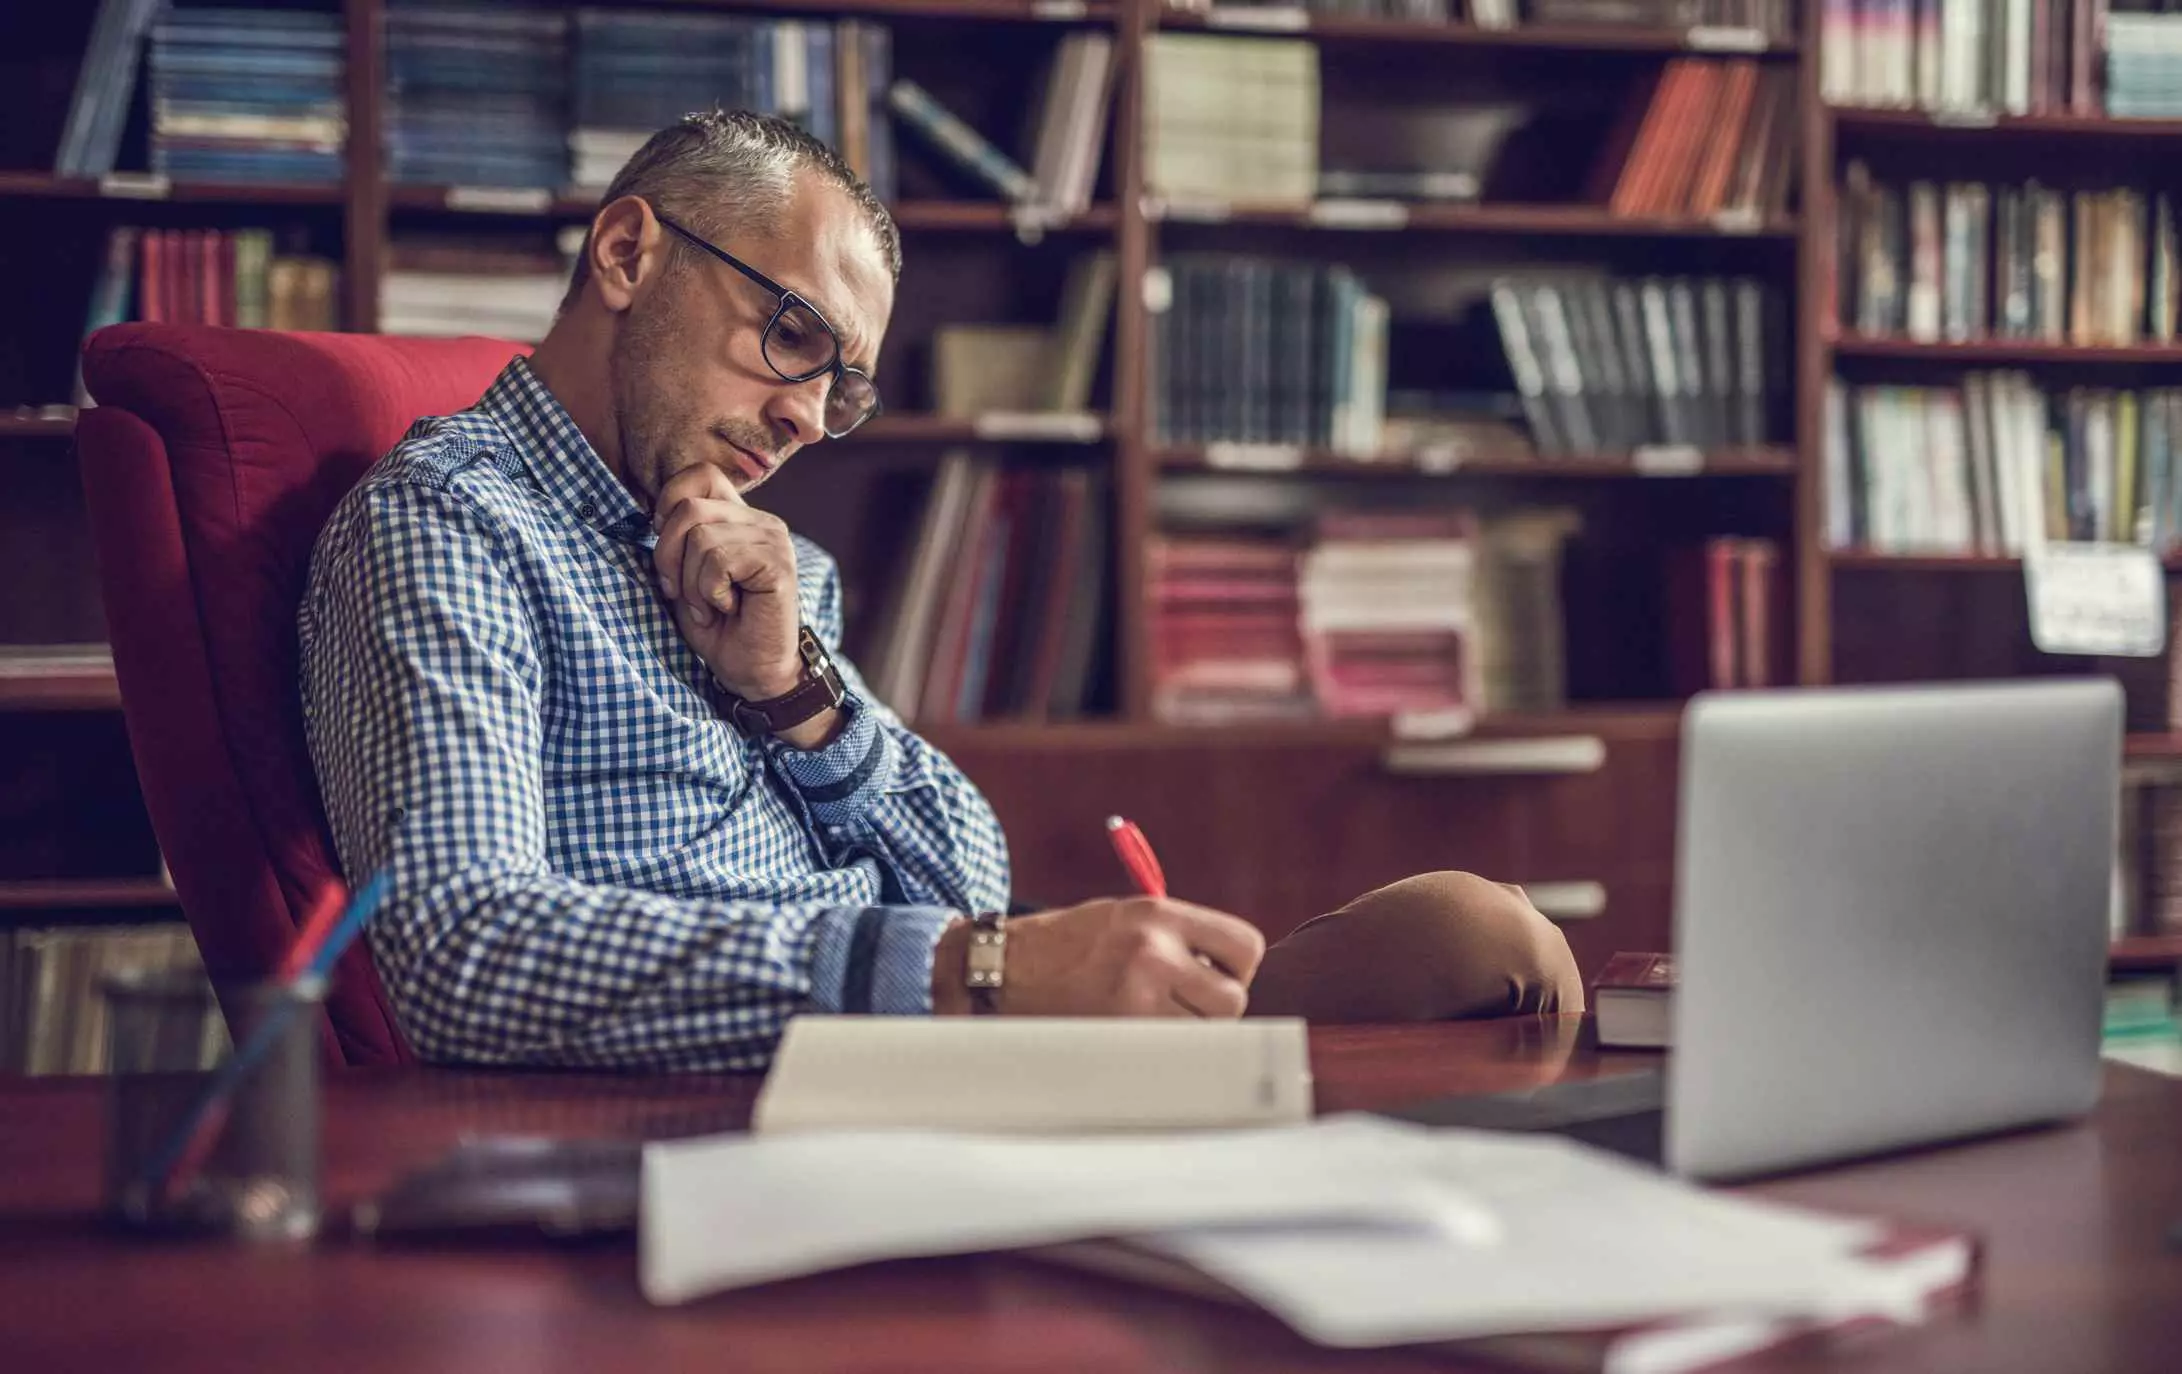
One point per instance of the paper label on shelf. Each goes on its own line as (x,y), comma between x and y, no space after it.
(2096,599)
(1725,38)
(1254,457)
(1057,9)
(1745,220)
(1294,20)
(1031,220)
(1158,290)
(1359,214)
(1188,211)
(499,199)
(135,185)
(1668,460)
(1966,118)
(1064,426)
(1448,722)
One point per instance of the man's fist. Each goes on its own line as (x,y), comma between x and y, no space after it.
(1135,956)
(729,572)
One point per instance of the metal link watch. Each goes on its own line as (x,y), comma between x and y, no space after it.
(820,690)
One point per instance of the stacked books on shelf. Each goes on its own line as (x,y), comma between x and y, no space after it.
(1726,604)
(1241,12)
(1063,138)
(448,285)
(2150,863)
(1374,613)
(998,612)
(1227,634)
(476,95)
(1995,464)
(52,1018)
(2143,65)
(1707,140)
(248,95)
(1230,121)
(982,369)
(1608,366)
(2026,57)
(638,71)
(1257,351)
(1961,260)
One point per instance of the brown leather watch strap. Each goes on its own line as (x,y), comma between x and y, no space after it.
(820,690)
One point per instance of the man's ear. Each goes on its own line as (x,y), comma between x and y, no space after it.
(627,248)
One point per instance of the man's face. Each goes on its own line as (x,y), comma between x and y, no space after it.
(689,377)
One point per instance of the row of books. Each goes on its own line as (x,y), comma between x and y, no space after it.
(446,285)
(1605,366)
(2150,866)
(1726,615)
(98,112)
(1706,139)
(53,1019)
(1997,464)
(537,97)
(980,369)
(1257,351)
(1376,613)
(248,95)
(1962,260)
(1232,121)
(231,277)
(2017,57)
(999,609)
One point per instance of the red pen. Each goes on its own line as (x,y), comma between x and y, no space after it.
(1135,853)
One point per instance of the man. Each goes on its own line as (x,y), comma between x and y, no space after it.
(578,699)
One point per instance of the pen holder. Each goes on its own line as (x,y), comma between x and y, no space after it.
(259,1178)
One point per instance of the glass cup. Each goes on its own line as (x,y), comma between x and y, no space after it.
(259,1178)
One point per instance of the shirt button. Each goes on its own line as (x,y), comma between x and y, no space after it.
(835,832)
(587,510)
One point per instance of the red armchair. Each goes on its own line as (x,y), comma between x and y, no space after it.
(210,463)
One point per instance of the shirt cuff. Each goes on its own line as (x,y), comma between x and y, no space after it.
(839,780)
(877,959)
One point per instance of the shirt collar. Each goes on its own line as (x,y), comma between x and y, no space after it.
(561,460)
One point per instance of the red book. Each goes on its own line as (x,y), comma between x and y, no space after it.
(1632,1000)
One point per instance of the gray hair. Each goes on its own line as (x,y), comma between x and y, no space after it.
(726,173)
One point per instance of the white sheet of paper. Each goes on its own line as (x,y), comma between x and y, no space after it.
(1035,1074)
(731,1211)
(1588,1241)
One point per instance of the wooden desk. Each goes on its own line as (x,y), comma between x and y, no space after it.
(2079,1277)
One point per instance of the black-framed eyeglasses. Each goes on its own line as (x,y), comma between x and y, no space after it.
(799,345)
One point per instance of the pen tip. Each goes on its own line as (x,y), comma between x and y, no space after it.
(1115,822)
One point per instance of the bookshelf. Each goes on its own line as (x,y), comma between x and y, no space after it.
(1843,614)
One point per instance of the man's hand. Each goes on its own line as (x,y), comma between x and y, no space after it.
(1136,956)
(730,574)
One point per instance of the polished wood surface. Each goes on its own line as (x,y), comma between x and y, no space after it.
(2078,1276)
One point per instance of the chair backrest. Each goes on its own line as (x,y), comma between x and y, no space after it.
(209,464)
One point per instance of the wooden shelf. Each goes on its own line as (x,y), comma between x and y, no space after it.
(1874,560)
(36,427)
(1617,721)
(991,429)
(1896,124)
(2145,952)
(1764,462)
(1556,38)
(84,894)
(1374,215)
(911,216)
(2148,745)
(65,690)
(2007,352)
(141,187)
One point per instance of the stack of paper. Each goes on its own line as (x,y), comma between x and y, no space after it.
(1356,1231)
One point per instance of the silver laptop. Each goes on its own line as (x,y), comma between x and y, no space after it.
(1890,927)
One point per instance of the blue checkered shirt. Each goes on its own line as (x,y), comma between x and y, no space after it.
(587,865)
